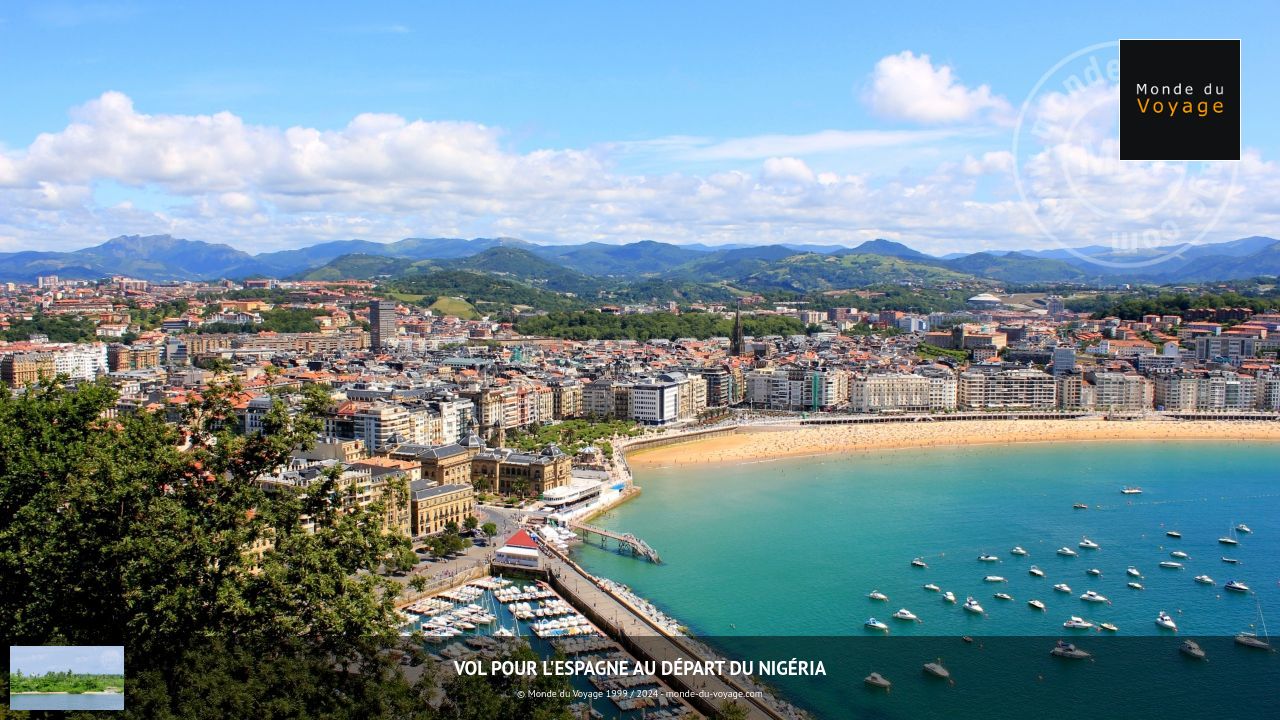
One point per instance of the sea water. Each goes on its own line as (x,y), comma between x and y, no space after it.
(769,557)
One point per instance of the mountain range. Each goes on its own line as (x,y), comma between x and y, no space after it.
(598,266)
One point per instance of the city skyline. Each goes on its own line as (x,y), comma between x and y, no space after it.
(427,124)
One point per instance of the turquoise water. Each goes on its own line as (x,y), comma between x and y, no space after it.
(791,548)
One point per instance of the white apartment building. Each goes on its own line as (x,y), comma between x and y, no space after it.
(81,362)
(1120,392)
(656,401)
(1020,389)
(933,391)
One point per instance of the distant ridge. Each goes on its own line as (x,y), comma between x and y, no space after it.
(796,267)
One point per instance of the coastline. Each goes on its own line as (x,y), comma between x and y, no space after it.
(761,443)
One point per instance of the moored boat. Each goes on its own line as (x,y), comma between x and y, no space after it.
(1067,552)
(1135,586)
(937,670)
(1095,572)
(971,605)
(994,579)
(1067,650)
(1077,623)
(1062,588)
(1173,534)
(1036,604)
(919,562)
(1130,490)
(1133,572)
(1179,554)
(877,595)
(1088,544)
(1091,596)
(877,680)
(1204,579)
(1230,561)
(1192,649)
(1236,586)
(988,558)
(931,587)
(1036,571)
(1243,528)
(1171,565)
(875,624)
(949,596)
(1018,550)
(1003,596)
(1166,622)
(1109,627)
(905,614)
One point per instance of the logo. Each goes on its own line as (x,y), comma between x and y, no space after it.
(1116,213)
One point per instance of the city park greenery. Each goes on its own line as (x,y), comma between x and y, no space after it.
(64,682)
(573,435)
(591,325)
(281,319)
(131,531)
(59,328)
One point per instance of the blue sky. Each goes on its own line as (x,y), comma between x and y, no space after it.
(607,117)
(88,659)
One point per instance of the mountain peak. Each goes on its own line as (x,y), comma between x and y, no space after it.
(880,246)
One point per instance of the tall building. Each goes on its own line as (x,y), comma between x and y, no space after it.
(736,344)
(382,323)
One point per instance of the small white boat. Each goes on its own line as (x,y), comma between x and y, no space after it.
(905,614)
(1077,623)
(1003,596)
(1065,649)
(1192,649)
(875,624)
(877,680)
(1179,554)
(1036,571)
(1236,586)
(1127,490)
(1171,565)
(1173,534)
(1036,604)
(1135,586)
(1018,550)
(1204,580)
(988,558)
(1088,544)
(1067,552)
(919,562)
(1095,572)
(994,579)
(1230,561)
(931,587)
(1228,541)
(1109,627)
(1062,588)
(937,670)
(1133,572)
(877,595)
(972,606)
(1243,528)
(1080,506)
(1166,622)
(949,596)
(1091,596)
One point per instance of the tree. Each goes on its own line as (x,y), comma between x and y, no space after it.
(470,523)
(418,583)
(489,529)
(403,559)
(732,710)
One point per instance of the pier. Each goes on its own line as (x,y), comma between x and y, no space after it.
(638,547)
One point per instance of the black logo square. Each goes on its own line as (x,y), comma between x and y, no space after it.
(1179,99)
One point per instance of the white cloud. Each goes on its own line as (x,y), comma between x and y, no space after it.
(907,86)
(383,177)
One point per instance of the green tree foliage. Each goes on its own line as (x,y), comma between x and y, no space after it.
(571,435)
(648,326)
(151,318)
(59,328)
(128,531)
(281,319)
(1133,307)
(64,682)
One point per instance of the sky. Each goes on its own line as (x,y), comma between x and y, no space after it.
(274,125)
(86,659)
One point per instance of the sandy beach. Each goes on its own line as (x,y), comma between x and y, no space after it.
(754,444)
